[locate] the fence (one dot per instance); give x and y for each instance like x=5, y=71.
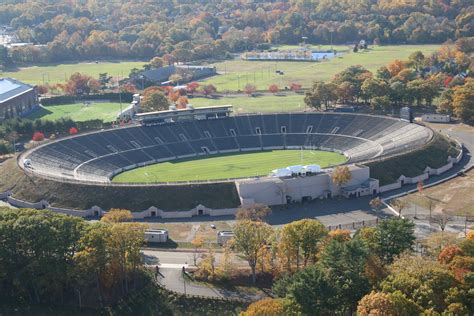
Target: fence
x=355, y=225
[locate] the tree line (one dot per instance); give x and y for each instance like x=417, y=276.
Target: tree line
x=187, y=31
x=374, y=271
x=445, y=76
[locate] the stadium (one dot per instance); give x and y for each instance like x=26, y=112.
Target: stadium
x=125, y=167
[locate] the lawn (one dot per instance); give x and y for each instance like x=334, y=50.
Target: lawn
x=235, y=74
x=59, y=73
x=244, y=104
x=227, y=166
x=78, y=112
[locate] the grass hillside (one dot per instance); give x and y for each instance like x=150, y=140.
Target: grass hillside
x=235, y=74
x=413, y=164
x=59, y=73
x=105, y=111
x=167, y=198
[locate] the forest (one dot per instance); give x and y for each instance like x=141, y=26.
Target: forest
x=192, y=30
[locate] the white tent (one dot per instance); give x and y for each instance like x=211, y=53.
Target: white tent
x=312, y=168
x=283, y=172
x=296, y=169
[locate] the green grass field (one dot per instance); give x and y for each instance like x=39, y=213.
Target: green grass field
x=59, y=73
x=78, y=112
x=227, y=166
x=235, y=74
x=244, y=104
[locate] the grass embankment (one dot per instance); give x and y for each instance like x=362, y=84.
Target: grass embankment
x=235, y=74
x=234, y=165
x=434, y=155
x=79, y=112
x=167, y=198
x=60, y=73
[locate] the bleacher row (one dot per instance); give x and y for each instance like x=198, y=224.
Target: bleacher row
x=98, y=156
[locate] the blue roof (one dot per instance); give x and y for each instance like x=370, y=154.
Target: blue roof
x=10, y=88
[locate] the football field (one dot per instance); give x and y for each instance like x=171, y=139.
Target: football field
x=234, y=165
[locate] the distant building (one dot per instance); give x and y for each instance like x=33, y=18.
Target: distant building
x=156, y=235
x=16, y=98
x=436, y=118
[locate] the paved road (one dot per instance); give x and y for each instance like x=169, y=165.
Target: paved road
x=171, y=276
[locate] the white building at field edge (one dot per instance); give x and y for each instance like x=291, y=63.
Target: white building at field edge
x=278, y=191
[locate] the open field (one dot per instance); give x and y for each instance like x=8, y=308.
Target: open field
x=260, y=104
x=78, y=112
x=227, y=166
x=454, y=197
x=59, y=73
x=235, y=74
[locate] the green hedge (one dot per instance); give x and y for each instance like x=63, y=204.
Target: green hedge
x=67, y=99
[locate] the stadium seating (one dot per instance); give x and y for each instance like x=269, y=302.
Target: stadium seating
x=100, y=155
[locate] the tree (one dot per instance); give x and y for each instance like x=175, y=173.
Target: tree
x=393, y=237
x=399, y=205
x=182, y=102
x=156, y=62
x=249, y=237
x=198, y=243
x=154, y=101
x=376, y=203
x=250, y=89
x=104, y=80
x=416, y=60
x=117, y=216
x=42, y=89
x=463, y=101
x=73, y=131
x=208, y=90
x=321, y=93
x=341, y=175
x=79, y=84
x=448, y=253
x=344, y=264
x=255, y=212
x=312, y=291
x=192, y=87
x=266, y=307
x=295, y=87
x=301, y=238
x=376, y=304
x=38, y=137
x=273, y=88
x=395, y=67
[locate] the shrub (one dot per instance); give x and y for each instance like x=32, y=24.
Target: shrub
x=38, y=136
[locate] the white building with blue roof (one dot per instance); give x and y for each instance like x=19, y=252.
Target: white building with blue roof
x=16, y=98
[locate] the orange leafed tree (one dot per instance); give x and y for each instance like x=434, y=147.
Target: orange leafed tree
x=117, y=216
x=266, y=307
x=395, y=67
x=273, y=88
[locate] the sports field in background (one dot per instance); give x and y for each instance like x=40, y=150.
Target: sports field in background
x=244, y=104
x=78, y=112
x=235, y=165
x=235, y=74
x=60, y=73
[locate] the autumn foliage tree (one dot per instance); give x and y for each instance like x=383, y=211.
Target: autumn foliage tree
x=249, y=89
x=273, y=88
x=255, y=212
x=79, y=84
x=38, y=136
x=117, y=216
x=341, y=175
x=266, y=307
x=73, y=131
x=250, y=237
